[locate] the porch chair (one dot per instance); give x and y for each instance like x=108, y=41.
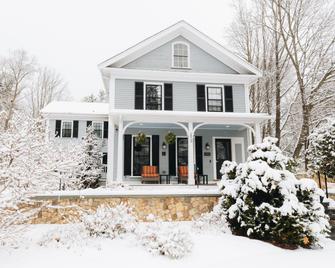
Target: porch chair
x=150, y=174
x=182, y=174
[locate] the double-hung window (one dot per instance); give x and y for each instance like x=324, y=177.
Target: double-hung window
x=97, y=129
x=214, y=99
x=153, y=96
x=180, y=55
x=66, y=129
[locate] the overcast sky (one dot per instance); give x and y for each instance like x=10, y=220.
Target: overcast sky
x=73, y=36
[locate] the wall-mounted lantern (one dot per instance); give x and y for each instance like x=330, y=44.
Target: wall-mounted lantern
x=207, y=146
x=164, y=145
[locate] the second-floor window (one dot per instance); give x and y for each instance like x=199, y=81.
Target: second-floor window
x=66, y=129
x=153, y=96
x=181, y=55
x=214, y=99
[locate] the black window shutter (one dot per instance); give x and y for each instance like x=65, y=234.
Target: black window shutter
x=201, y=101
x=228, y=99
x=198, y=155
x=127, y=155
x=172, y=159
x=75, y=128
x=168, y=97
x=105, y=129
x=104, y=158
x=155, y=151
x=58, y=127
x=88, y=123
x=139, y=95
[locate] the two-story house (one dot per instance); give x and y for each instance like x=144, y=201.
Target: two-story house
x=178, y=80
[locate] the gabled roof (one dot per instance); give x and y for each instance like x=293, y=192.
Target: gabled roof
x=193, y=35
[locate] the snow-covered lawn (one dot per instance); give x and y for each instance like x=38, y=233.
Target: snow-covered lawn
x=211, y=249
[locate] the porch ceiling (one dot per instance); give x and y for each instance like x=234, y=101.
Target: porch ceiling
x=147, y=116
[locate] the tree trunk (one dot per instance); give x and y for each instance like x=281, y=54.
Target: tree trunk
x=304, y=132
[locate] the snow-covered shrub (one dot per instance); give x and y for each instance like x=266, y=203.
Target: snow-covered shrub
x=174, y=243
x=321, y=149
x=264, y=200
x=90, y=168
x=28, y=164
x=68, y=236
x=109, y=222
x=212, y=221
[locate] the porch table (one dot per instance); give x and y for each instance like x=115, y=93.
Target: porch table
x=204, y=178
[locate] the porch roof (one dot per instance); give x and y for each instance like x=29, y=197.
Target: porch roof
x=149, y=116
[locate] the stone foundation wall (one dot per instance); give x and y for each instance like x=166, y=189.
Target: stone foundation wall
x=167, y=208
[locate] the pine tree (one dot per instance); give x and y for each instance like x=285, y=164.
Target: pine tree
x=90, y=169
x=263, y=200
x=321, y=150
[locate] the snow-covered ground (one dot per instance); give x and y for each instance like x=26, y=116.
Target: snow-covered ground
x=211, y=249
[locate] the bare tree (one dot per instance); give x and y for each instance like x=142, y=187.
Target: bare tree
x=15, y=72
x=46, y=86
x=100, y=97
x=307, y=29
x=254, y=35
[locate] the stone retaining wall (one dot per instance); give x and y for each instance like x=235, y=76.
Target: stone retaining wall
x=167, y=208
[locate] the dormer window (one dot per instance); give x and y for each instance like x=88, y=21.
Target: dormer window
x=180, y=55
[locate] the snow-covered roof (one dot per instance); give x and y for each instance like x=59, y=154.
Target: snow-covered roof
x=76, y=108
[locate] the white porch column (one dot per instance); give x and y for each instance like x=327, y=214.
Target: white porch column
x=110, y=150
x=119, y=156
x=258, y=137
x=190, y=154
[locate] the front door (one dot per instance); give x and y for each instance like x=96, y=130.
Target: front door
x=182, y=152
x=141, y=156
x=222, y=153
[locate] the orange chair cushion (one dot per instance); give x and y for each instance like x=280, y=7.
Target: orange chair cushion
x=183, y=171
x=149, y=171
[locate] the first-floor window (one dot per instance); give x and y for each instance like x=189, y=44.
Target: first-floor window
x=214, y=99
x=97, y=129
x=66, y=129
x=153, y=97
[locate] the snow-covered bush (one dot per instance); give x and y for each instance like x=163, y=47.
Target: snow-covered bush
x=174, y=243
x=212, y=221
x=264, y=200
x=28, y=164
x=109, y=222
x=65, y=236
x=321, y=149
x=90, y=168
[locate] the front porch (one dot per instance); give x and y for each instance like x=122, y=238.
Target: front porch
x=203, y=141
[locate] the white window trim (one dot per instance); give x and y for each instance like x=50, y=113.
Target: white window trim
x=61, y=129
x=188, y=55
x=145, y=94
x=132, y=153
x=102, y=128
x=223, y=96
x=233, y=142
